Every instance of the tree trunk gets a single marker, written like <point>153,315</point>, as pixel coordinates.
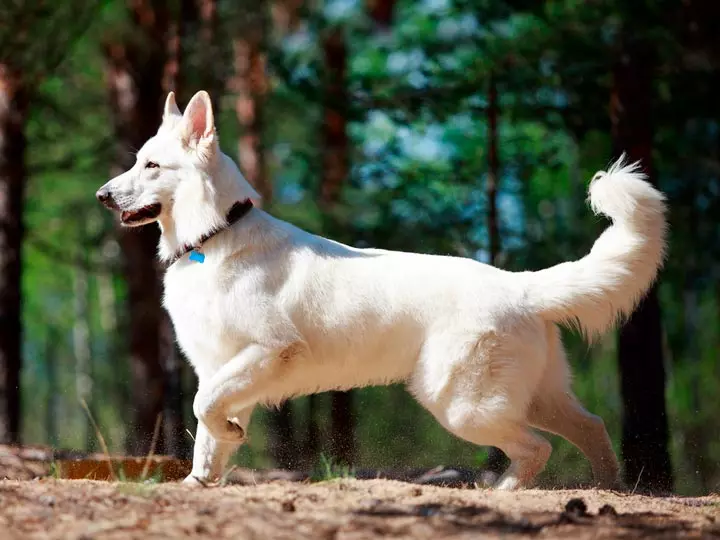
<point>335,138</point>
<point>335,172</point>
<point>135,80</point>
<point>311,444</point>
<point>194,24</point>
<point>211,77</point>
<point>640,350</point>
<point>196,56</point>
<point>250,85</point>
<point>281,437</point>
<point>497,461</point>
<point>381,12</point>
<point>285,17</point>
<point>13,114</point>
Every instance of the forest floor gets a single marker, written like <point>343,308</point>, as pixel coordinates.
<point>340,509</point>
<point>261,507</point>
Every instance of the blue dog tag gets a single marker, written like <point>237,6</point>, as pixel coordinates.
<point>196,256</point>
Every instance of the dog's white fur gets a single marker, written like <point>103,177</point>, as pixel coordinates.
<point>276,312</point>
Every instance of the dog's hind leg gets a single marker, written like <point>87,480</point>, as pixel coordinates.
<point>562,414</point>
<point>555,409</point>
<point>528,452</point>
<point>478,384</point>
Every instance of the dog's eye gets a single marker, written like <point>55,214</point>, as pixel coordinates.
<point>151,165</point>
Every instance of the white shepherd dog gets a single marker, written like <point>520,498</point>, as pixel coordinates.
<point>265,311</point>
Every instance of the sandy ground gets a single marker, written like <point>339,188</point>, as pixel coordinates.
<point>342,509</point>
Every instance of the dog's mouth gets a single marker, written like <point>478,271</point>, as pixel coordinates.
<point>142,215</point>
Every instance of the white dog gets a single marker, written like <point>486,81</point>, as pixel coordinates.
<point>265,311</point>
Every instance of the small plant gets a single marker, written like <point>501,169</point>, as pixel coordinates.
<point>120,475</point>
<point>328,469</point>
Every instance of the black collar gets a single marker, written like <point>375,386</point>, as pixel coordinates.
<point>238,211</point>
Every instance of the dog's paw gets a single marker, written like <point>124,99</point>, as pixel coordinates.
<point>194,481</point>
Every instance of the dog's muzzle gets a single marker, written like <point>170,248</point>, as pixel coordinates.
<point>105,197</point>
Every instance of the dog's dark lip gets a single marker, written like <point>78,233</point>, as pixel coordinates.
<point>145,213</point>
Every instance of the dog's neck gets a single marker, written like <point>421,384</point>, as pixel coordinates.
<point>201,206</point>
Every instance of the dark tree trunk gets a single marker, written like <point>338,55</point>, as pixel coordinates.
<point>335,172</point>
<point>211,75</point>
<point>640,350</point>
<point>135,80</point>
<point>496,459</point>
<point>198,47</point>
<point>285,20</point>
<point>335,137</point>
<point>13,114</point>
<point>250,85</point>
<point>281,437</point>
<point>381,12</point>
<point>285,16</point>
<point>311,444</point>
<point>342,441</point>
<point>194,23</point>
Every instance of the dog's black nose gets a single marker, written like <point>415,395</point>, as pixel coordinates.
<point>103,195</point>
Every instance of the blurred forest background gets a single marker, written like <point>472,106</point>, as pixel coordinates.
<point>466,127</point>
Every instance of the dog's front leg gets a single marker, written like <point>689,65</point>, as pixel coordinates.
<point>210,456</point>
<point>237,386</point>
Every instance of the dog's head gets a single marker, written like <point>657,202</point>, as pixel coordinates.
<point>179,162</point>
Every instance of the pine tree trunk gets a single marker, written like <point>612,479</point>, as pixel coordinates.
<point>198,58</point>
<point>640,346</point>
<point>193,24</point>
<point>335,172</point>
<point>250,85</point>
<point>381,12</point>
<point>285,17</point>
<point>496,459</point>
<point>311,444</point>
<point>135,81</point>
<point>13,114</point>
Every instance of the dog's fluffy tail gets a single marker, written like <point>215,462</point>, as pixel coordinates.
<point>593,292</point>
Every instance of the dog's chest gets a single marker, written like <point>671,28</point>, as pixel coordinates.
<point>198,305</point>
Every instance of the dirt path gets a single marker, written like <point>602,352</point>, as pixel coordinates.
<point>342,509</point>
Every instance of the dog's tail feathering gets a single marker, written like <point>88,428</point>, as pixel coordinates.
<point>605,285</point>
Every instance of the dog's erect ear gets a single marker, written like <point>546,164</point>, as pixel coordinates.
<point>171,108</point>
<point>198,123</point>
